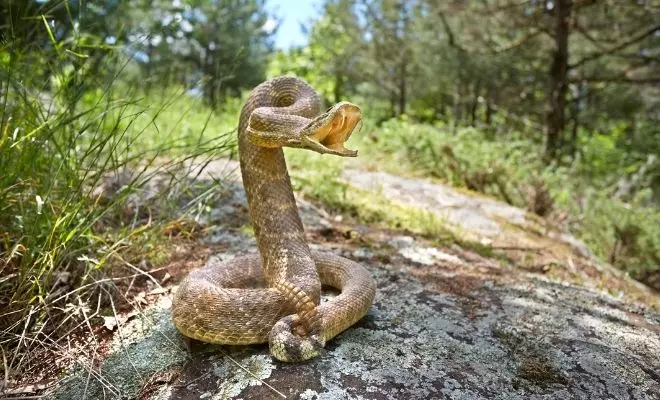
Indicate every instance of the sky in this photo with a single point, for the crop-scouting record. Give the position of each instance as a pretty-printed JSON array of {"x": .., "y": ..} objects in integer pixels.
[{"x": 291, "y": 14}]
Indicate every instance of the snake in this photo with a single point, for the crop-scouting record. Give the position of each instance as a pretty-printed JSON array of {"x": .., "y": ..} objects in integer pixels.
[{"x": 275, "y": 296}]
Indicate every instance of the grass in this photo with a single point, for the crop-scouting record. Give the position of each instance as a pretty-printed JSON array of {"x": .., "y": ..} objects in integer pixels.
[
  {"x": 319, "y": 177},
  {"x": 179, "y": 123},
  {"x": 577, "y": 197},
  {"x": 74, "y": 220}
]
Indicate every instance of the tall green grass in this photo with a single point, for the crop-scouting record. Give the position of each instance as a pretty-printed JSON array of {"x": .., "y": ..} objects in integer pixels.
[{"x": 77, "y": 148}]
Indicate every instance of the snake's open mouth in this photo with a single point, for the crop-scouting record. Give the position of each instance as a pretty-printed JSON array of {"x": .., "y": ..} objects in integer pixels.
[{"x": 334, "y": 134}]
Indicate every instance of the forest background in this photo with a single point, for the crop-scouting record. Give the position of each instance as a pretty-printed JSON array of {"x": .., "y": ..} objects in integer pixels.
[{"x": 552, "y": 106}]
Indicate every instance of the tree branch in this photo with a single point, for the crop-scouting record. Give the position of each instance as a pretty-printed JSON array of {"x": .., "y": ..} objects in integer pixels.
[
  {"x": 451, "y": 39},
  {"x": 616, "y": 79},
  {"x": 616, "y": 48},
  {"x": 487, "y": 9},
  {"x": 578, "y": 27},
  {"x": 580, "y": 4}
]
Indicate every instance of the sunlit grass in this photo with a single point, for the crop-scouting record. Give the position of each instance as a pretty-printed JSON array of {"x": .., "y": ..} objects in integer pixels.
[
  {"x": 319, "y": 178},
  {"x": 626, "y": 233},
  {"x": 75, "y": 160},
  {"x": 175, "y": 120}
]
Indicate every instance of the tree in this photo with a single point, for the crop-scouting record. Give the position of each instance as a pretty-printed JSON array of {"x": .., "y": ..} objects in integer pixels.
[
  {"x": 369, "y": 42},
  {"x": 221, "y": 44},
  {"x": 388, "y": 59},
  {"x": 63, "y": 42},
  {"x": 329, "y": 62}
]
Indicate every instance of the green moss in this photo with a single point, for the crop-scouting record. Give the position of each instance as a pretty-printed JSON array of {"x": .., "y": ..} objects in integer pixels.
[{"x": 247, "y": 229}]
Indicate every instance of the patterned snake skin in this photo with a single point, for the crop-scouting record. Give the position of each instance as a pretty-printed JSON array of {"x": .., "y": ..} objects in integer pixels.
[{"x": 275, "y": 297}]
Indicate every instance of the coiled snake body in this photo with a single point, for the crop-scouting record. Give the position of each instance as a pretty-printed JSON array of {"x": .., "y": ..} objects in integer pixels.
[{"x": 275, "y": 296}]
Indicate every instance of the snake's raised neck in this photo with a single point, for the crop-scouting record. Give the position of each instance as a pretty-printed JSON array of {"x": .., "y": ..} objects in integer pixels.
[
  {"x": 273, "y": 211},
  {"x": 285, "y": 111}
]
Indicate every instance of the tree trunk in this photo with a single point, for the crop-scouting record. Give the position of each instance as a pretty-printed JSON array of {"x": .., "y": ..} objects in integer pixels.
[
  {"x": 490, "y": 111},
  {"x": 338, "y": 91},
  {"x": 475, "y": 103},
  {"x": 574, "y": 132},
  {"x": 576, "y": 107},
  {"x": 393, "y": 104},
  {"x": 402, "y": 88},
  {"x": 458, "y": 109},
  {"x": 558, "y": 81}
]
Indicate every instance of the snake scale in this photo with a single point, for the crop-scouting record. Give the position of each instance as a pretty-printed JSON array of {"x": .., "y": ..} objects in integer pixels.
[{"x": 275, "y": 296}]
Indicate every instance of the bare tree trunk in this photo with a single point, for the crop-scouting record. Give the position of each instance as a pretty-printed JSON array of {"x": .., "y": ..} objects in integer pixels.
[
  {"x": 393, "y": 104},
  {"x": 338, "y": 91},
  {"x": 402, "y": 88},
  {"x": 574, "y": 132},
  {"x": 490, "y": 100},
  {"x": 490, "y": 111},
  {"x": 578, "y": 98},
  {"x": 558, "y": 81},
  {"x": 475, "y": 103},
  {"x": 457, "y": 112}
]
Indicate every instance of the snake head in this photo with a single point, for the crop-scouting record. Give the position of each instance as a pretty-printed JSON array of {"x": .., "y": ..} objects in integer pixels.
[
  {"x": 288, "y": 345},
  {"x": 328, "y": 132}
]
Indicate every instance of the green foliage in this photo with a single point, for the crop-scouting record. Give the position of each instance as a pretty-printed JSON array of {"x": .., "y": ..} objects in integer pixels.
[
  {"x": 626, "y": 233},
  {"x": 176, "y": 122},
  {"x": 76, "y": 146},
  {"x": 220, "y": 47}
]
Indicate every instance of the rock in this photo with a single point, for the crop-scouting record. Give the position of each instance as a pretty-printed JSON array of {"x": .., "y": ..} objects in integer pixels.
[
  {"x": 481, "y": 218},
  {"x": 473, "y": 213},
  {"x": 363, "y": 252},
  {"x": 401, "y": 242},
  {"x": 455, "y": 336},
  {"x": 423, "y": 255},
  {"x": 576, "y": 244},
  {"x": 142, "y": 350},
  {"x": 446, "y": 322}
]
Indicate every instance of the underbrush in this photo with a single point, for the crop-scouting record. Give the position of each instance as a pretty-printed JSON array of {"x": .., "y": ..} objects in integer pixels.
[
  {"x": 177, "y": 122},
  {"x": 580, "y": 197},
  {"x": 94, "y": 189}
]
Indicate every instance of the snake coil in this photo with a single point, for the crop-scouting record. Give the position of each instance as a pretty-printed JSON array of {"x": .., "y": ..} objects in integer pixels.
[{"x": 275, "y": 296}]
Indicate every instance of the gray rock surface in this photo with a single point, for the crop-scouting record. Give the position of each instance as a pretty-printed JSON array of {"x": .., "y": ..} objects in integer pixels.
[
  {"x": 480, "y": 218},
  {"x": 473, "y": 213},
  {"x": 517, "y": 340},
  {"x": 446, "y": 323}
]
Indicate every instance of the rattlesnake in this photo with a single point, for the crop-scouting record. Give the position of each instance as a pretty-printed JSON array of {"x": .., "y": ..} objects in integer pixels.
[{"x": 275, "y": 297}]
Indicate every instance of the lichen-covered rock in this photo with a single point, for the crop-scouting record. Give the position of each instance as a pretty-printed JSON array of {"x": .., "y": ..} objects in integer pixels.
[
  {"x": 473, "y": 213},
  {"x": 479, "y": 217},
  {"x": 477, "y": 338},
  {"x": 446, "y": 323}
]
